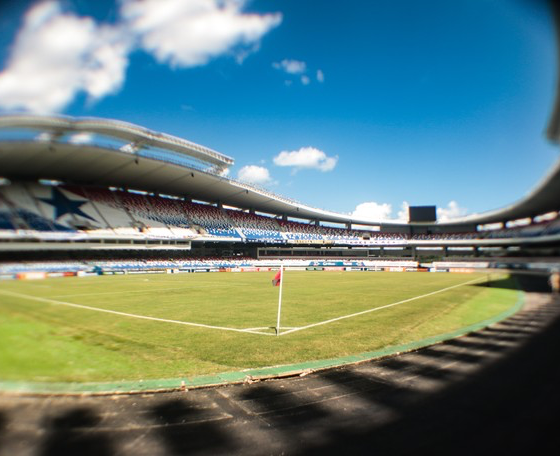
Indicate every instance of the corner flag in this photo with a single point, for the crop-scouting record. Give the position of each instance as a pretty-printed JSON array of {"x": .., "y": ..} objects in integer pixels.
[{"x": 277, "y": 279}]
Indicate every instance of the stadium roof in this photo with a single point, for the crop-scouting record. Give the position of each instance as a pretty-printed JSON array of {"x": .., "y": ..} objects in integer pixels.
[
  {"x": 154, "y": 162},
  {"x": 137, "y": 136}
]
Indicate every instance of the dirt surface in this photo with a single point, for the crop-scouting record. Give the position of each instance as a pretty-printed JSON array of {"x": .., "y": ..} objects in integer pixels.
[{"x": 495, "y": 391}]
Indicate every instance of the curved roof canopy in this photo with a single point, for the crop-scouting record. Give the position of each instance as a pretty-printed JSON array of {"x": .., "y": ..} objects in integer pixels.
[{"x": 137, "y": 136}]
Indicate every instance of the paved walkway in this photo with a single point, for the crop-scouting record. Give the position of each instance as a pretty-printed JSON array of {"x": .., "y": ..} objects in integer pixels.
[{"x": 494, "y": 391}]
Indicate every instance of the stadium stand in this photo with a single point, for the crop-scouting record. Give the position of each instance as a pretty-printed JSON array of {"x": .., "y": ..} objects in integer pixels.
[
  {"x": 212, "y": 219},
  {"x": 114, "y": 219},
  {"x": 445, "y": 236},
  {"x": 297, "y": 231},
  {"x": 255, "y": 227},
  {"x": 66, "y": 211},
  {"x": 553, "y": 227},
  {"x": 172, "y": 215},
  {"x": 341, "y": 234}
]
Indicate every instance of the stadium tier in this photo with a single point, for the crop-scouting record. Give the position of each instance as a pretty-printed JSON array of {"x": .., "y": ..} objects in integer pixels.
[
  {"x": 33, "y": 209},
  {"x": 58, "y": 193},
  {"x": 55, "y": 268},
  {"x": 70, "y": 212}
]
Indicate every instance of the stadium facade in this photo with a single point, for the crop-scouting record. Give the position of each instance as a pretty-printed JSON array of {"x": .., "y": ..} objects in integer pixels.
[{"x": 94, "y": 185}]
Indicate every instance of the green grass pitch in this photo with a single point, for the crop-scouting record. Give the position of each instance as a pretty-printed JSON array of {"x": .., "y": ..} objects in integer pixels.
[{"x": 44, "y": 336}]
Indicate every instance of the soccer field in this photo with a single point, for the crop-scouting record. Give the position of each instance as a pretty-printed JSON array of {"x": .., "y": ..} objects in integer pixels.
[{"x": 141, "y": 326}]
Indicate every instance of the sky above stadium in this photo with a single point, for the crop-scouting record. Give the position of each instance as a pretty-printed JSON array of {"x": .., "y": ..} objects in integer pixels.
[{"x": 361, "y": 106}]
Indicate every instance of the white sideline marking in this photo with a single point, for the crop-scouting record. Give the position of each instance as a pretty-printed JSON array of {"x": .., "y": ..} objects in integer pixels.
[
  {"x": 124, "y": 314},
  {"x": 380, "y": 308}
]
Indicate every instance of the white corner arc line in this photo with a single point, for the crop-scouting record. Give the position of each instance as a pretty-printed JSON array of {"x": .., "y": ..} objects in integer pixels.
[
  {"x": 255, "y": 332},
  {"x": 375, "y": 309},
  {"x": 124, "y": 314},
  {"x": 269, "y": 327}
]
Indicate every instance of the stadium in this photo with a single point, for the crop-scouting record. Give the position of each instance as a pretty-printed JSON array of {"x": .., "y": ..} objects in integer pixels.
[
  {"x": 134, "y": 203},
  {"x": 138, "y": 316},
  {"x": 154, "y": 192}
]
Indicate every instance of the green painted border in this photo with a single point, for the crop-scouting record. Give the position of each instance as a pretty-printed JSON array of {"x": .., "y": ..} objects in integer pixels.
[{"x": 247, "y": 375}]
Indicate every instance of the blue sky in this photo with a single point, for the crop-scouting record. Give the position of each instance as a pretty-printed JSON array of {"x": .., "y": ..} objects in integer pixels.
[{"x": 359, "y": 105}]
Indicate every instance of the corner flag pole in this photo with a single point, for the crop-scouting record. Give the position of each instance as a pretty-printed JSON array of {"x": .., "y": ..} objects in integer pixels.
[{"x": 280, "y": 299}]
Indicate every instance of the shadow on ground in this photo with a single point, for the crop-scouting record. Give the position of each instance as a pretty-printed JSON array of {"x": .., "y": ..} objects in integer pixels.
[
  {"x": 510, "y": 407},
  {"x": 70, "y": 433},
  {"x": 532, "y": 283}
]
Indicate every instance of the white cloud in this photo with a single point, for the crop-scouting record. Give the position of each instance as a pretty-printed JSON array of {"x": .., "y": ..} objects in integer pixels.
[
  {"x": 306, "y": 157},
  {"x": 373, "y": 211},
  {"x": 291, "y": 66},
  {"x": 57, "y": 55},
  {"x": 44, "y": 136},
  {"x": 190, "y": 33},
  {"x": 402, "y": 215},
  {"x": 254, "y": 175},
  {"x": 81, "y": 138},
  {"x": 380, "y": 212},
  {"x": 452, "y": 211},
  {"x": 298, "y": 68}
]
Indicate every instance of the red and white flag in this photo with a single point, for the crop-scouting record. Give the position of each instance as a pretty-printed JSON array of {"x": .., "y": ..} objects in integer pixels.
[{"x": 277, "y": 279}]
